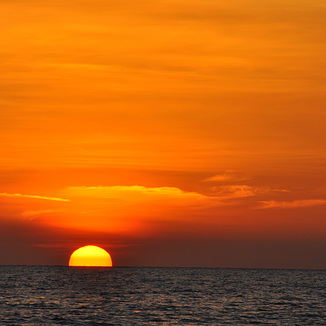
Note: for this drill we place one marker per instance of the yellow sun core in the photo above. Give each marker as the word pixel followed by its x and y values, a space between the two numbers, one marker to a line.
pixel 90 256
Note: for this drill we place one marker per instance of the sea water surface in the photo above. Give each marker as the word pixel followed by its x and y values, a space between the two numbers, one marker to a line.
pixel 57 295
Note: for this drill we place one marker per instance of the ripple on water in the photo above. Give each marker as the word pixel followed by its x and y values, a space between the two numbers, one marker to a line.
pixel 44 295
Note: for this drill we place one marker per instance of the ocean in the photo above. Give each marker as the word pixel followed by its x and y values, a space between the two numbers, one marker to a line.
pixel 59 295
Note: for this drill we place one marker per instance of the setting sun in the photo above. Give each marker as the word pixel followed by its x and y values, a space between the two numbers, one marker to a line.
pixel 90 256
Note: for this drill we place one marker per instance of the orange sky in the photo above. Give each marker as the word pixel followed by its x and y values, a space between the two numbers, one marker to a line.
pixel 171 133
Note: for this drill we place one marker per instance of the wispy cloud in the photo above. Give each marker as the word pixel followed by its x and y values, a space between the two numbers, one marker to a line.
pixel 234 191
pixel 133 193
pixel 239 191
pixel 4 194
pixel 292 204
pixel 226 176
pixel 219 195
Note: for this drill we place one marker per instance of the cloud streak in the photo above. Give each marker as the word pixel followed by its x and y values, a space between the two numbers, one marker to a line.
pixel 4 194
pixel 227 176
pixel 239 191
pixel 133 193
pixel 292 204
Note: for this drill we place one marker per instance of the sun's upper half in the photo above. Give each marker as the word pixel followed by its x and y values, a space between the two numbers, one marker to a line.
pixel 90 256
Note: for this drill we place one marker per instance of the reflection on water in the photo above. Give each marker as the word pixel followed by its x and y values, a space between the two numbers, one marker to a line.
pixel 51 295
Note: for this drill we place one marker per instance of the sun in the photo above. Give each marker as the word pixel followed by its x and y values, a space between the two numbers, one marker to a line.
pixel 90 256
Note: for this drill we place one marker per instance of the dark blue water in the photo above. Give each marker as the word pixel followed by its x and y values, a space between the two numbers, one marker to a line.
pixel 48 295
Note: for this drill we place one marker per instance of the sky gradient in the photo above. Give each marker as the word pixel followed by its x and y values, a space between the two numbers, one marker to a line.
pixel 170 133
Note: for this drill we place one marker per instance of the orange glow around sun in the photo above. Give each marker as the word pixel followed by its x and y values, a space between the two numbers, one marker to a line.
pixel 90 256
pixel 181 133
